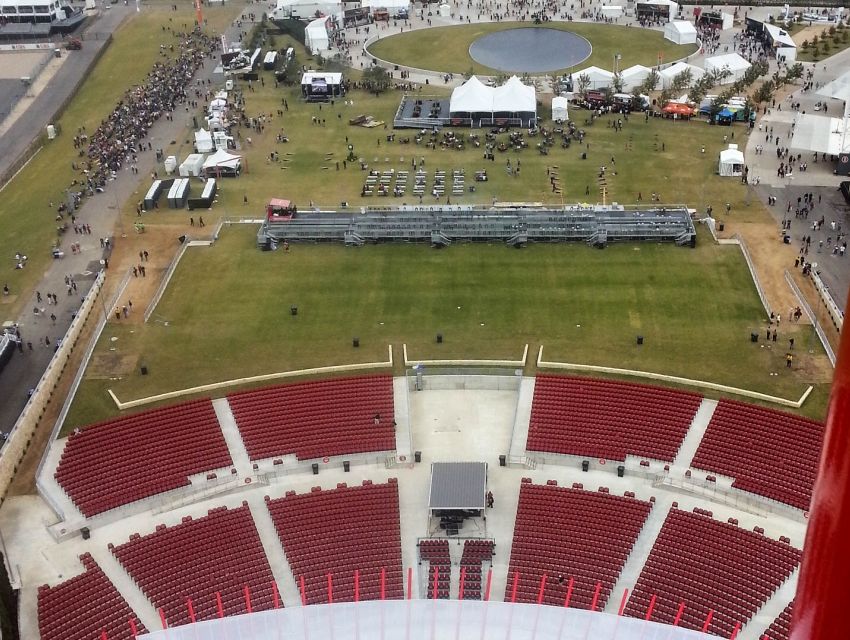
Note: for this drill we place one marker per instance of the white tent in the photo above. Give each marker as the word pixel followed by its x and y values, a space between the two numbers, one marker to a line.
pixel 680 32
pixel 599 78
pixel 731 162
pixel 192 165
pixel 822 134
pixel 203 141
pixel 316 36
pixel 445 11
pixel 634 76
pixel 305 9
pixel 779 36
pixel 672 71
pixel 222 160
pixel 731 61
pixel 559 109
pixel 514 97
pixel 471 97
pixel 611 11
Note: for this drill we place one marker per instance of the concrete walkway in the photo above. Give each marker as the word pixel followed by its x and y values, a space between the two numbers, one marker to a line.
pixel 233 438
pixel 274 550
pixel 519 435
pixel 403 440
pixel 640 551
pixel 54 494
pixel 765 616
pixel 695 433
pixel 128 589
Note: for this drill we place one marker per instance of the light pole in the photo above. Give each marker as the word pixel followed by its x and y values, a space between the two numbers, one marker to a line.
pixel 617 58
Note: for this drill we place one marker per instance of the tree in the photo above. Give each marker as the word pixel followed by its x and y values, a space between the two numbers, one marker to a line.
pixel 765 92
pixel 815 41
pixel 650 82
pixel 804 45
pixel 617 82
pixel 794 72
pixel 681 80
pixel 376 79
pixel 583 84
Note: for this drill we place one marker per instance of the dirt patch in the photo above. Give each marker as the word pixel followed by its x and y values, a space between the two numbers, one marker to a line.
pixel 111 365
pixel 808 33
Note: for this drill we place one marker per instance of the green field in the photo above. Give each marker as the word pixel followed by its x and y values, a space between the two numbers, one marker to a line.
pixel 226 313
pixel 446 49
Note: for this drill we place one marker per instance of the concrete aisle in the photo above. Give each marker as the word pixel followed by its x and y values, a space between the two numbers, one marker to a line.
pixel 274 550
pixel 695 433
pixel 233 438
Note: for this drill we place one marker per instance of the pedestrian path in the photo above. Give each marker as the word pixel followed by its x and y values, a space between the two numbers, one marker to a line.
pixel 695 433
pixel 522 418
pixel 233 438
pixel 274 551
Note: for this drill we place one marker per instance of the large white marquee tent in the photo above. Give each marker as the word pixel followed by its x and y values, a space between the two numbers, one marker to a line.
pixel 672 71
pixel 634 76
pixel 316 36
pixel 513 97
pixel 732 61
pixel 599 78
pixel 680 32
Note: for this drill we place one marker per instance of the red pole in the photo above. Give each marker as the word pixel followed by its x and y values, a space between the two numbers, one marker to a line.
pixel 487 588
pixel 679 613
pixel 276 595
pixel 162 618
pixel 822 599
pixel 303 592
pixel 218 605
pixel 623 602
pixel 516 585
pixel 596 596
pixel 735 631
pixel 650 608
pixel 542 589
pixel 410 583
pixel 103 635
pixel 247 592
pixel 357 585
pixel 462 581
pixel 569 595
pixel 383 583
pixel 434 585
pixel 330 589
pixel 191 609
pixel 707 621
pixel 133 630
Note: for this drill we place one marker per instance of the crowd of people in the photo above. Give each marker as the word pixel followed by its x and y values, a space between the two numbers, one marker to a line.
pixel 120 137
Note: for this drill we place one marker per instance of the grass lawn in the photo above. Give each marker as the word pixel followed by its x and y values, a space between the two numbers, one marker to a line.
pixel 25 213
pixel 447 48
pixel 226 313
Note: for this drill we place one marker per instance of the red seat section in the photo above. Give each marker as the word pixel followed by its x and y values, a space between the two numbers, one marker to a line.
pixel 474 553
pixel 83 607
pixel 571 533
pixel 780 629
pixel 338 532
pixel 317 419
pixel 770 453
pixel 119 461
pixel 608 419
pixel 710 566
pixel 220 552
pixel 436 553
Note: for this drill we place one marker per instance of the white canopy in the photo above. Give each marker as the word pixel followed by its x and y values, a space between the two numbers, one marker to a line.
pixel 680 32
pixel 222 158
pixel 779 36
pixel 512 97
pixel 838 88
pixel 445 11
pixel 386 4
pixel 330 77
pixel 672 71
pixel 611 11
pixel 599 78
pixel 731 162
pixel 316 36
pixel 732 61
pixel 203 141
pixel 305 9
pixel 634 76
pixel 560 109
pixel 821 134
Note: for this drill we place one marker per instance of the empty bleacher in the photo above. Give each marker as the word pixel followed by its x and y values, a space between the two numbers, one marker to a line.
pixel 317 419
pixel 710 566
pixel 219 553
pixel 436 554
pixel 338 532
pixel 571 533
pixel 608 419
pixel 475 552
pixel 84 606
pixel 780 629
pixel 119 461
pixel 769 453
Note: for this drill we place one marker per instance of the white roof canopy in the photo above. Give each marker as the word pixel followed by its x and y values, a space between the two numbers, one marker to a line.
pixel 672 71
pixel 222 158
pixel 780 36
pixel 680 32
pixel 599 78
pixel 512 97
pixel 820 133
pixel 732 61
pixel 838 88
